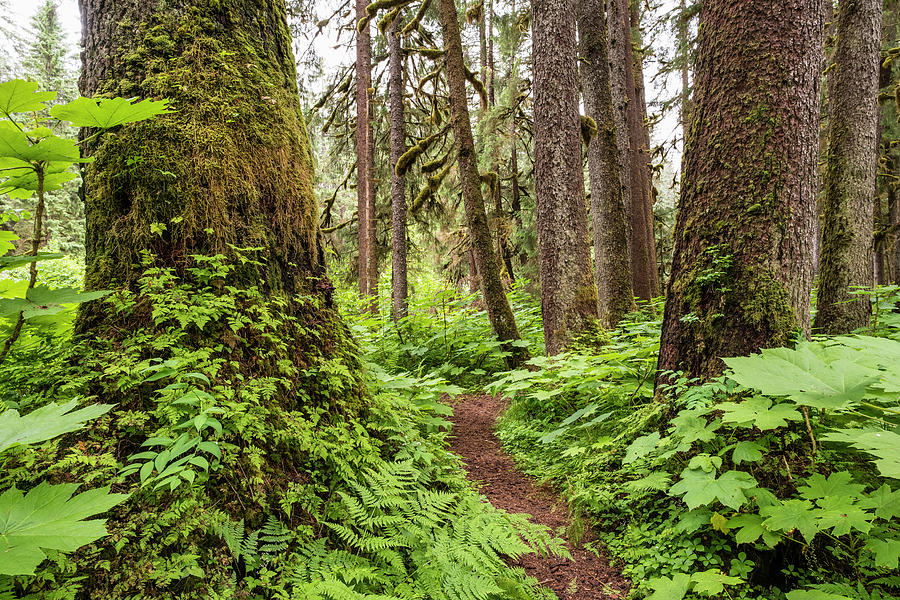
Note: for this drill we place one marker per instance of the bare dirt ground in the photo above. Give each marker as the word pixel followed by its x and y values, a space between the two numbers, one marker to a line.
pixel 586 577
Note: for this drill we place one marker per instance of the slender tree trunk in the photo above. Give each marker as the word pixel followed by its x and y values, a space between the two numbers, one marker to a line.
pixel 363 83
pixel 399 287
pixel 612 266
pixel 371 206
pixel 642 264
pixel 619 59
pixel 499 312
pixel 849 220
pixel 746 228
pixel 683 32
pixel 642 131
pixel 568 291
pixel 492 99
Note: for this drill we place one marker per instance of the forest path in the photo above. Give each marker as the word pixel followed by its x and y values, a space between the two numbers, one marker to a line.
pixel 587 577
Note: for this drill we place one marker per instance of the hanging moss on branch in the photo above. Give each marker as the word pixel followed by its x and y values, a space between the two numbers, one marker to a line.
pixel 429 53
pixel 434 165
pixel 372 10
pixel 414 24
pixel 475 13
pixel 478 85
pixel 428 77
pixel 589 129
pixel 432 185
pixel 409 157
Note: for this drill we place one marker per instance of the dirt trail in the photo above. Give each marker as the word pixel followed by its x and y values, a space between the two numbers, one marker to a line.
pixel 584 578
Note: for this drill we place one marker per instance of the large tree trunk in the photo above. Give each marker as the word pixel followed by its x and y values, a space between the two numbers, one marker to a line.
pixel 568 291
pixel 682 32
pixel 499 312
pixel 246 181
pixel 745 235
pixel 231 167
pixel 399 287
pixel 363 129
pixel 611 262
pixel 849 219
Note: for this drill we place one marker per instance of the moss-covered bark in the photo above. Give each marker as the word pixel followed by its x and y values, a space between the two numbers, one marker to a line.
pixel 231 165
pixel 499 311
pixel 568 291
pixel 745 234
pixel 611 258
pixel 847 236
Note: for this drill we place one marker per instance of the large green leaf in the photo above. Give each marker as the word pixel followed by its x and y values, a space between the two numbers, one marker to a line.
pixel 792 514
pixel 16 145
pixel 758 411
pixel 45 423
pixel 42 301
pixel 804 376
pixel 814 595
pixel 48 518
pixel 106 113
pixel 6 239
pixel 18 95
pixel 887 552
pixel 712 582
pixel 665 588
pixel 14 262
pixel 885 445
pixel 700 488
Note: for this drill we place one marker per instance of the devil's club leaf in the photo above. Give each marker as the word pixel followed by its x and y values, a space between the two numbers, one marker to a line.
pixel 758 411
pixel 790 515
pixel 18 95
pixel 45 423
pixel 106 113
pixel 48 518
pixel 803 376
pixel 701 488
pixel 669 589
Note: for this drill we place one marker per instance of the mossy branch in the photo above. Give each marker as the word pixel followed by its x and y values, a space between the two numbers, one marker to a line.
pixel 414 24
pixel 372 10
pixel 479 87
pixel 589 129
pixel 432 185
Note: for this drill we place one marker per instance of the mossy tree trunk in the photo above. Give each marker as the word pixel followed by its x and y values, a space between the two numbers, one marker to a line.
pixel 745 233
pixel 499 311
pixel 611 262
pixel 365 192
pixel 848 232
pixel 568 291
pixel 399 287
pixel 231 166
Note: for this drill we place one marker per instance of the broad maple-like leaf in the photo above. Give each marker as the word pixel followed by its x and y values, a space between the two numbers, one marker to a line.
pixel 880 443
pixel 758 411
pixel 835 485
pixel 712 582
pixel 18 95
pixel 792 514
pixel 45 423
pixel 700 488
pixel 665 588
pixel 887 552
pixel 106 113
pixel 48 518
pixel 803 376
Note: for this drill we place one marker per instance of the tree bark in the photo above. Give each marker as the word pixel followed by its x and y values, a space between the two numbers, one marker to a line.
pixel 399 287
pixel 363 182
pixel 568 291
pixel 684 44
pixel 499 312
pixel 641 133
pixel 611 262
pixel 213 183
pixel 745 234
pixel 849 219
pixel 619 59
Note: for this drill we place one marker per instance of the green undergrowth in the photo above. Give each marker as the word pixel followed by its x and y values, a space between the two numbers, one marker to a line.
pixel 777 480
pixel 260 459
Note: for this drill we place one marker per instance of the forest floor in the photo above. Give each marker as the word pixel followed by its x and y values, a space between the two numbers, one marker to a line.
pixel 587 576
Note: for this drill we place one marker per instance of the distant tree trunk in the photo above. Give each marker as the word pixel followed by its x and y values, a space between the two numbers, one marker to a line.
pixel 643 265
pixel 746 228
pixel 399 285
pixel 499 312
pixel 641 131
pixel 619 59
pixel 363 83
pixel 612 266
pixel 515 194
pixel 849 220
pixel 492 99
pixel 683 37
pixel 371 205
pixel 568 291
